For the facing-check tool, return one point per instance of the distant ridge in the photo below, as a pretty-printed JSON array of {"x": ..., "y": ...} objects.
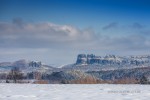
[{"x": 113, "y": 60}]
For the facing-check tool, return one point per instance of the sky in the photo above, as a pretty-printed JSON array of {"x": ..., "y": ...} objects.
[{"x": 56, "y": 31}]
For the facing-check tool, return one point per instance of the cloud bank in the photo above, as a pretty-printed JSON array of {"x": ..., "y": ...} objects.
[
  {"x": 44, "y": 39},
  {"x": 37, "y": 35},
  {"x": 20, "y": 34}
]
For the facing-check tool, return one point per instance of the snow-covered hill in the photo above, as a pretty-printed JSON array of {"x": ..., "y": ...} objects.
[
  {"x": 113, "y": 60},
  {"x": 25, "y": 66}
]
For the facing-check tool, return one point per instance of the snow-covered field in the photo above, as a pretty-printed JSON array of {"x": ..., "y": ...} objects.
[{"x": 73, "y": 92}]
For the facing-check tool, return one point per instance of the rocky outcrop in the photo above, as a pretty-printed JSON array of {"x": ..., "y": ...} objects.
[
  {"x": 24, "y": 65},
  {"x": 113, "y": 60}
]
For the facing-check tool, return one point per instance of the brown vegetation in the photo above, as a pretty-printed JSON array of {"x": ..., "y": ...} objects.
[
  {"x": 41, "y": 82},
  {"x": 88, "y": 80},
  {"x": 126, "y": 81}
]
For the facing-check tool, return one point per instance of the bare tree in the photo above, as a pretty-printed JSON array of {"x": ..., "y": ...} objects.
[{"x": 15, "y": 74}]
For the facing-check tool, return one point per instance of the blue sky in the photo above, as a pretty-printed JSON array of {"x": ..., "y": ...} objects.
[
  {"x": 80, "y": 13},
  {"x": 55, "y": 31}
]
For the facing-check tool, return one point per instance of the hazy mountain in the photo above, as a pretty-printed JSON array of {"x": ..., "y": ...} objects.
[{"x": 25, "y": 65}]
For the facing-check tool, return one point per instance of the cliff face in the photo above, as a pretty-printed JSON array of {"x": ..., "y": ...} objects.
[
  {"x": 81, "y": 59},
  {"x": 91, "y": 59}
]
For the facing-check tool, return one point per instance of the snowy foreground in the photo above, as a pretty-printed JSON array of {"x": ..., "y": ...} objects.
[{"x": 73, "y": 92}]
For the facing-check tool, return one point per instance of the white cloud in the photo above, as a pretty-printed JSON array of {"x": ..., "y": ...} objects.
[
  {"x": 50, "y": 42},
  {"x": 20, "y": 34},
  {"x": 41, "y": 34}
]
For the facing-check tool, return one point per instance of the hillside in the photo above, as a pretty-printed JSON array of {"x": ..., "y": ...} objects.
[{"x": 88, "y": 69}]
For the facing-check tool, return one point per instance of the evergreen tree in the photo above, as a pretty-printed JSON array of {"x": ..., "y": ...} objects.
[{"x": 144, "y": 80}]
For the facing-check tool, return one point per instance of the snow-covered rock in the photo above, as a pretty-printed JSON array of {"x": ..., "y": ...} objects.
[
  {"x": 24, "y": 66},
  {"x": 113, "y": 60}
]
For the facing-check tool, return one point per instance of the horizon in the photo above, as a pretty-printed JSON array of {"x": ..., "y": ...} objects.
[
  {"x": 61, "y": 65},
  {"x": 56, "y": 31}
]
